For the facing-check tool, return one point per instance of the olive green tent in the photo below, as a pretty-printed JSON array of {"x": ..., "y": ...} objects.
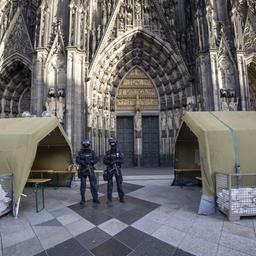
[
  {"x": 26, "y": 142},
  {"x": 224, "y": 139}
]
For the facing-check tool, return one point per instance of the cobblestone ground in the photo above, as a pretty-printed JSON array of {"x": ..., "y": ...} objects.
[{"x": 156, "y": 220}]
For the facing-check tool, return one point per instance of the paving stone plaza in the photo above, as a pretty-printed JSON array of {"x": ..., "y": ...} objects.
[
  {"x": 156, "y": 219},
  {"x": 173, "y": 81}
]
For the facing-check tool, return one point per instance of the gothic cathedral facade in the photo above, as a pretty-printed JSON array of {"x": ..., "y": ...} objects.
[{"x": 127, "y": 68}]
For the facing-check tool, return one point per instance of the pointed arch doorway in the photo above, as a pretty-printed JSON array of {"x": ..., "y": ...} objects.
[{"x": 137, "y": 107}]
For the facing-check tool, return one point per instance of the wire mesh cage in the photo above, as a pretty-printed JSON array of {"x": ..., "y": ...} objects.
[
  {"x": 236, "y": 194},
  {"x": 5, "y": 193}
]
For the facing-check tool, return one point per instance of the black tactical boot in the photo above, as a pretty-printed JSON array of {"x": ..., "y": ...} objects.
[
  {"x": 82, "y": 202},
  {"x": 96, "y": 201},
  {"x": 121, "y": 200}
]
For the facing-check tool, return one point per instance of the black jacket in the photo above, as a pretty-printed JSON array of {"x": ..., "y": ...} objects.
[
  {"x": 113, "y": 157},
  {"x": 86, "y": 157}
]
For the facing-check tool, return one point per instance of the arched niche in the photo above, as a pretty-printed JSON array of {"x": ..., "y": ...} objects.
[
  {"x": 137, "y": 92},
  {"x": 15, "y": 89}
]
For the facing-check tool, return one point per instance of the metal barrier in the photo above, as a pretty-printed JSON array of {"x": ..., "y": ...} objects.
[
  {"x": 236, "y": 194},
  {"x": 6, "y": 193}
]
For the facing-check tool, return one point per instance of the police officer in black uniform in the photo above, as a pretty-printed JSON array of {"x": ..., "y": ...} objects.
[
  {"x": 86, "y": 159},
  {"x": 113, "y": 159}
]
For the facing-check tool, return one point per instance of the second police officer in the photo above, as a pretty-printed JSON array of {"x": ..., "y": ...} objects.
[
  {"x": 86, "y": 159},
  {"x": 113, "y": 159}
]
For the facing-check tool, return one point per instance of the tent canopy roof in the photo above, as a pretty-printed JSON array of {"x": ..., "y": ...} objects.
[{"x": 38, "y": 140}]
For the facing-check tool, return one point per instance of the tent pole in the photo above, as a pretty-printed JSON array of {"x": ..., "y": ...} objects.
[
  {"x": 237, "y": 162},
  {"x": 16, "y": 206}
]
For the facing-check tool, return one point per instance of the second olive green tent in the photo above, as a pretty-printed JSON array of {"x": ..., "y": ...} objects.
[
  {"x": 222, "y": 138},
  {"x": 35, "y": 142}
]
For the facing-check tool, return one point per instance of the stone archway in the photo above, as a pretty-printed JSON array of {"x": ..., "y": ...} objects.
[
  {"x": 15, "y": 89},
  {"x": 164, "y": 67},
  {"x": 252, "y": 84}
]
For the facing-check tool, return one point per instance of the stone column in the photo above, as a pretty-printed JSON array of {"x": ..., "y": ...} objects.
[
  {"x": 71, "y": 6},
  {"x": 69, "y": 94},
  {"x": 206, "y": 81},
  {"x": 243, "y": 81},
  {"x": 78, "y": 101},
  {"x": 37, "y": 93},
  {"x": 215, "y": 86}
]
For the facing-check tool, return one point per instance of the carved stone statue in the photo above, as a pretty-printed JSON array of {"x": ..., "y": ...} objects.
[
  {"x": 163, "y": 121},
  {"x": 89, "y": 116},
  {"x": 107, "y": 120},
  {"x": 138, "y": 121},
  {"x": 112, "y": 121},
  {"x": 94, "y": 120},
  {"x": 129, "y": 18},
  {"x": 233, "y": 104},
  {"x": 170, "y": 120},
  {"x": 50, "y": 104},
  {"x": 100, "y": 120},
  {"x": 138, "y": 12},
  {"x": 60, "y": 106},
  {"x": 177, "y": 118},
  {"x": 224, "y": 105}
]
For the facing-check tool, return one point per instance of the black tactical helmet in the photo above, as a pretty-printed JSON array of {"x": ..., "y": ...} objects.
[
  {"x": 112, "y": 142},
  {"x": 86, "y": 143}
]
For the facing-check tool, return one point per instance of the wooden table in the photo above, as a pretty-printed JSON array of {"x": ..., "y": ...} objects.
[
  {"x": 38, "y": 183},
  {"x": 53, "y": 172}
]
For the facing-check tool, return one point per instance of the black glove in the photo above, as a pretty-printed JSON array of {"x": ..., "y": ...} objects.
[{"x": 105, "y": 175}]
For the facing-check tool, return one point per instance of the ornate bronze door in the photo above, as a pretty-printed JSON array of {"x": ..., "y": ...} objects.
[
  {"x": 125, "y": 137},
  {"x": 150, "y": 141}
]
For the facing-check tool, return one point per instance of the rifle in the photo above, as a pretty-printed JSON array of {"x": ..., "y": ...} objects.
[{"x": 118, "y": 171}]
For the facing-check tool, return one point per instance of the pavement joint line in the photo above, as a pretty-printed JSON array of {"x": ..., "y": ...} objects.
[
  {"x": 36, "y": 234},
  {"x": 1, "y": 244}
]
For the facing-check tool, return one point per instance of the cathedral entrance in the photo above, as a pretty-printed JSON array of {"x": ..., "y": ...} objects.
[
  {"x": 137, "y": 108},
  {"x": 15, "y": 90},
  {"x": 150, "y": 141},
  {"x": 125, "y": 139}
]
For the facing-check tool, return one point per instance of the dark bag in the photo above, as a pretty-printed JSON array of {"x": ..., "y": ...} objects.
[{"x": 105, "y": 175}]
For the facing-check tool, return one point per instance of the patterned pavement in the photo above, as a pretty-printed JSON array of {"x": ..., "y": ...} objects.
[
  {"x": 110, "y": 231},
  {"x": 157, "y": 219}
]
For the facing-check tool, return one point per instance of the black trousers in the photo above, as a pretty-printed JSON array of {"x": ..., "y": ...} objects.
[
  {"x": 119, "y": 181},
  {"x": 93, "y": 184}
]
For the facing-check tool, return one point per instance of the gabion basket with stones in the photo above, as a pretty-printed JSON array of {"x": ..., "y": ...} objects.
[
  {"x": 236, "y": 194},
  {"x": 5, "y": 193}
]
